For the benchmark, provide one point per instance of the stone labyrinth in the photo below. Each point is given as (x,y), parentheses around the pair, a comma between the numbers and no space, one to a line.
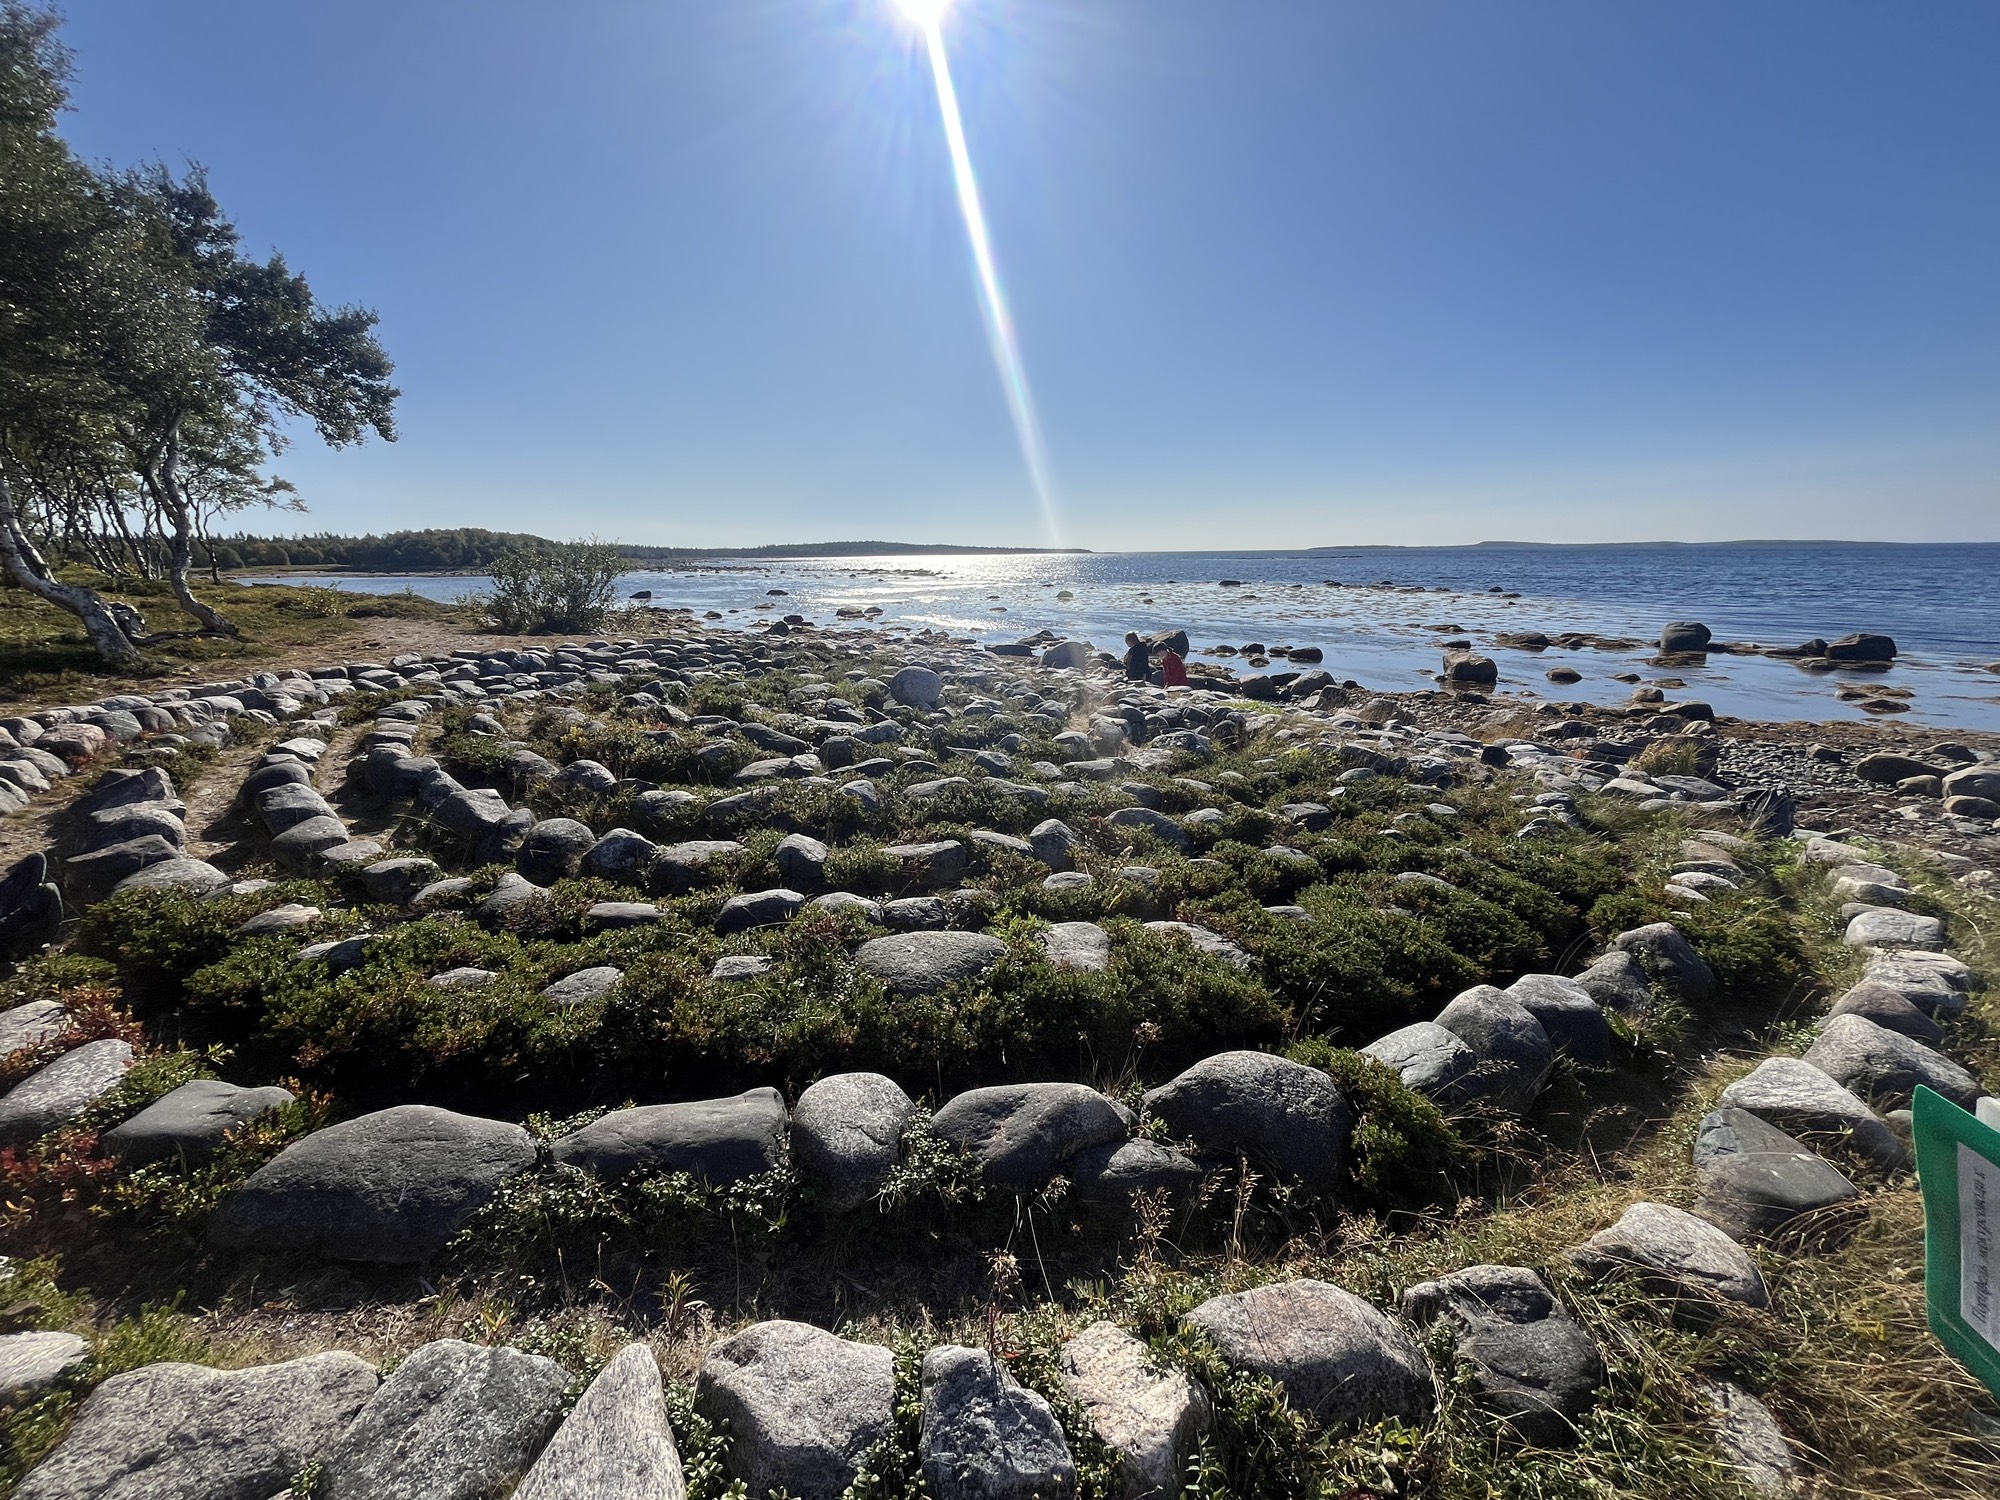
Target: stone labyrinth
(948,959)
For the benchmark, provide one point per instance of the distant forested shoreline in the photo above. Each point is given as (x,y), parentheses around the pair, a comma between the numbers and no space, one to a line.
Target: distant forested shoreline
(473,549)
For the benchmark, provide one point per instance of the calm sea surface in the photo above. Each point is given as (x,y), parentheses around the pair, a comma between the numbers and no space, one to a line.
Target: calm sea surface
(1940,603)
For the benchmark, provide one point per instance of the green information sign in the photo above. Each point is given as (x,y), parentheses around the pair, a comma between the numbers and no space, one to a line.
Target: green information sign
(1958,1162)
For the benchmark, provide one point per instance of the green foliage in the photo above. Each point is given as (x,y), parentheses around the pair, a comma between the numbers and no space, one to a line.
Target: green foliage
(1406,1153)
(565,588)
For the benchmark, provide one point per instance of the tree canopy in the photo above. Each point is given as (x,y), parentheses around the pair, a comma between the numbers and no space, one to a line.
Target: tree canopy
(150,371)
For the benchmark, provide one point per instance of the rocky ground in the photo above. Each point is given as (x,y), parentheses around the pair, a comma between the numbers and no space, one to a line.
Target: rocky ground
(853,1065)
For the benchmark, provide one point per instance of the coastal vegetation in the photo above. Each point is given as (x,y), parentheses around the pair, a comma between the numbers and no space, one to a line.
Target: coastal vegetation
(151,370)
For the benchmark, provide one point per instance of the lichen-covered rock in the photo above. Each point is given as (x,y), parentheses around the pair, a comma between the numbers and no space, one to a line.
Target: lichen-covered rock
(1022,1133)
(718,1140)
(1569,1014)
(1150,1417)
(1532,1366)
(985,1436)
(1083,946)
(456,1421)
(390,1187)
(190,1122)
(1668,1245)
(58,1092)
(1797,1097)
(615,1444)
(922,963)
(186,1432)
(1887,927)
(1429,1059)
(1339,1359)
(1749,1437)
(1884,1067)
(803,1406)
(1514,1056)
(847,1135)
(32,1362)
(1755,1179)
(1669,959)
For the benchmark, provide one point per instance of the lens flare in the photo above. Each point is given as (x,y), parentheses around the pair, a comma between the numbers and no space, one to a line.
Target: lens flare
(992,298)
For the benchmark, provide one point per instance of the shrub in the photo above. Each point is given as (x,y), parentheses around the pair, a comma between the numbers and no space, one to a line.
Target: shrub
(566,588)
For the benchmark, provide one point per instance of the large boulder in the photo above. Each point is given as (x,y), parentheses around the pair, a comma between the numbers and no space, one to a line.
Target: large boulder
(616,1443)
(391,1187)
(185,1432)
(754,909)
(1569,1013)
(987,1437)
(90,876)
(1797,1097)
(1073,654)
(1055,843)
(1284,1115)
(803,1406)
(55,1094)
(30,1025)
(1886,1008)
(190,1122)
(552,850)
(1754,1179)
(847,1135)
(1861,647)
(1022,1133)
(1670,1247)
(1152,1418)
(1888,927)
(937,862)
(1881,1066)
(1429,1059)
(1514,1055)
(1338,1358)
(718,1140)
(1669,960)
(922,963)
(1684,635)
(298,846)
(916,687)
(1083,946)
(32,1362)
(1531,1365)
(1936,983)
(456,1421)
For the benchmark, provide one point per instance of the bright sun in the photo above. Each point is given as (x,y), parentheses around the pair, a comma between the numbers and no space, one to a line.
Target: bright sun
(924,13)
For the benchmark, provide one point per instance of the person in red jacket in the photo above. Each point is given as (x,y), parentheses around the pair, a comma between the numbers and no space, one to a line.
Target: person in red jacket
(1173,671)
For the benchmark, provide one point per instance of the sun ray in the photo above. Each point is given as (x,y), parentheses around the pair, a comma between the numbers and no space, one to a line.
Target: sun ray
(928,16)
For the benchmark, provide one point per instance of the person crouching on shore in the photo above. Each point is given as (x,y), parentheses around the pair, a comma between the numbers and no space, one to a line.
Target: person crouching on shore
(1138,658)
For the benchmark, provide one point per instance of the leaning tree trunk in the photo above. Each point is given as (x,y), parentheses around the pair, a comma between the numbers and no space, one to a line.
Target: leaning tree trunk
(165,484)
(22,565)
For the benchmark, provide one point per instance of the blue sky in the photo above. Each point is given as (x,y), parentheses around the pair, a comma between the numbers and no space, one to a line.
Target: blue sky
(1300,273)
